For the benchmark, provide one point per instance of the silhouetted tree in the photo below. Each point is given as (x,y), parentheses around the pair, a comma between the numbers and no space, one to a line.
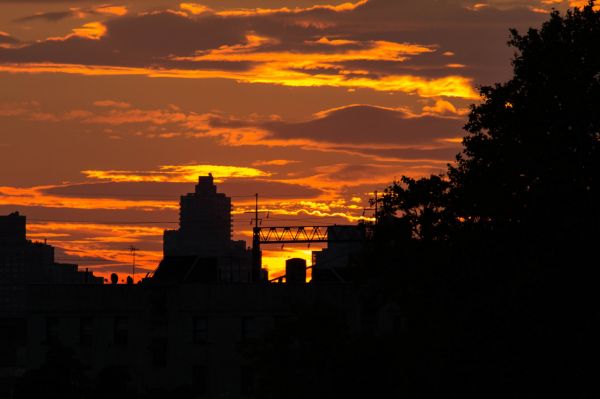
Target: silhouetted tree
(113,382)
(421,203)
(531,158)
(511,281)
(114,278)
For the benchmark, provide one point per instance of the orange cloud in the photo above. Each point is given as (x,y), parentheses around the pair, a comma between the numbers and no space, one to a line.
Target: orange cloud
(91,30)
(443,107)
(334,42)
(111,104)
(377,50)
(105,244)
(123,116)
(35,197)
(578,3)
(287,68)
(111,10)
(274,162)
(103,248)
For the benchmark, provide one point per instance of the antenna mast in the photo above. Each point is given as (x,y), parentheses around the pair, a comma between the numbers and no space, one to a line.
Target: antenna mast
(133,251)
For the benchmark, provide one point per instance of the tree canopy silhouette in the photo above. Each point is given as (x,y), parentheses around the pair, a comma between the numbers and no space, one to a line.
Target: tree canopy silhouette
(531,156)
(503,244)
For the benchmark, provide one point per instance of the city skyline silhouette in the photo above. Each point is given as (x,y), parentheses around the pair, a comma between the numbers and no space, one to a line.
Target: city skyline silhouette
(296,199)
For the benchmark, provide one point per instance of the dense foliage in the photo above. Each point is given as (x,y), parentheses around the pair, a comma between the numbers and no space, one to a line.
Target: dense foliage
(531,156)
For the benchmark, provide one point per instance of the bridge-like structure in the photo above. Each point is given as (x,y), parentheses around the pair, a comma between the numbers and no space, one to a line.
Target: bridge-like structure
(308,234)
(303,235)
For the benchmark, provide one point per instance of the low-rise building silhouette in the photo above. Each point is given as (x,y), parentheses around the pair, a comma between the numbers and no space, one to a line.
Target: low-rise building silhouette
(345,244)
(186,329)
(25,262)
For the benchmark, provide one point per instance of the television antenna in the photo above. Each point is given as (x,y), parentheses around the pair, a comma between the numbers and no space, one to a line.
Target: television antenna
(133,251)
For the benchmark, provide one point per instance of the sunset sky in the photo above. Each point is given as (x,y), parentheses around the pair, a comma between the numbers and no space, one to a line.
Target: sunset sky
(110,111)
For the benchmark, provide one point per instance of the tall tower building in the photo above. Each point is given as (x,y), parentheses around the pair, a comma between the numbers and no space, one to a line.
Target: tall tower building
(205,228)
(204,223)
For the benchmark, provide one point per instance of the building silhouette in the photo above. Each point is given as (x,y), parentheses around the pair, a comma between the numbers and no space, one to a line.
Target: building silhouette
(191,328)
(345,244)
(24,262)
(205,231)
(204,223)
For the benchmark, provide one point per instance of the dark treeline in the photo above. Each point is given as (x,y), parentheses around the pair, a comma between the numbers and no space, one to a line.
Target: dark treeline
(492,265)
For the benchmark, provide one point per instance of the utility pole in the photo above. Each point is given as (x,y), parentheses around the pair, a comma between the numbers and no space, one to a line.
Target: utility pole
(256,253)
(256,211)
(376,210)
(133,251)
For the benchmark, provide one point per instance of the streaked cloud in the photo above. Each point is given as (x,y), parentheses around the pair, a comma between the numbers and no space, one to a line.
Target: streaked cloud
(109,9)
(112,104)
(357,129)
(266,46)
(194,8)
(246,12)
(275,162)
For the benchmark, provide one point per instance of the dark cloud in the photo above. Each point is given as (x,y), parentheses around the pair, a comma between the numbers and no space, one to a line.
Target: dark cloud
(171,191)
(48,16)
(364,124)
(445,154)
(477,38)
(145,40)
(42,213)
(5,38)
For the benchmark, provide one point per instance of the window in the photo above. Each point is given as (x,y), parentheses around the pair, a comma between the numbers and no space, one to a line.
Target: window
(51,330)
(246,380)
(249,328)
(200,330)
(158,349)
(121,331)
(200,380)
(86,329)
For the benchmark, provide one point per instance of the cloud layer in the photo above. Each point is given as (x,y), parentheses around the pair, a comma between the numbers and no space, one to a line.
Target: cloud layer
(375,44)
(314,105)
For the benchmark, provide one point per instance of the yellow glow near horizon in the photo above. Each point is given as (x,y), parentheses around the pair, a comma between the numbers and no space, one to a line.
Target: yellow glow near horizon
(175,173)
(95,240)
(274,261)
